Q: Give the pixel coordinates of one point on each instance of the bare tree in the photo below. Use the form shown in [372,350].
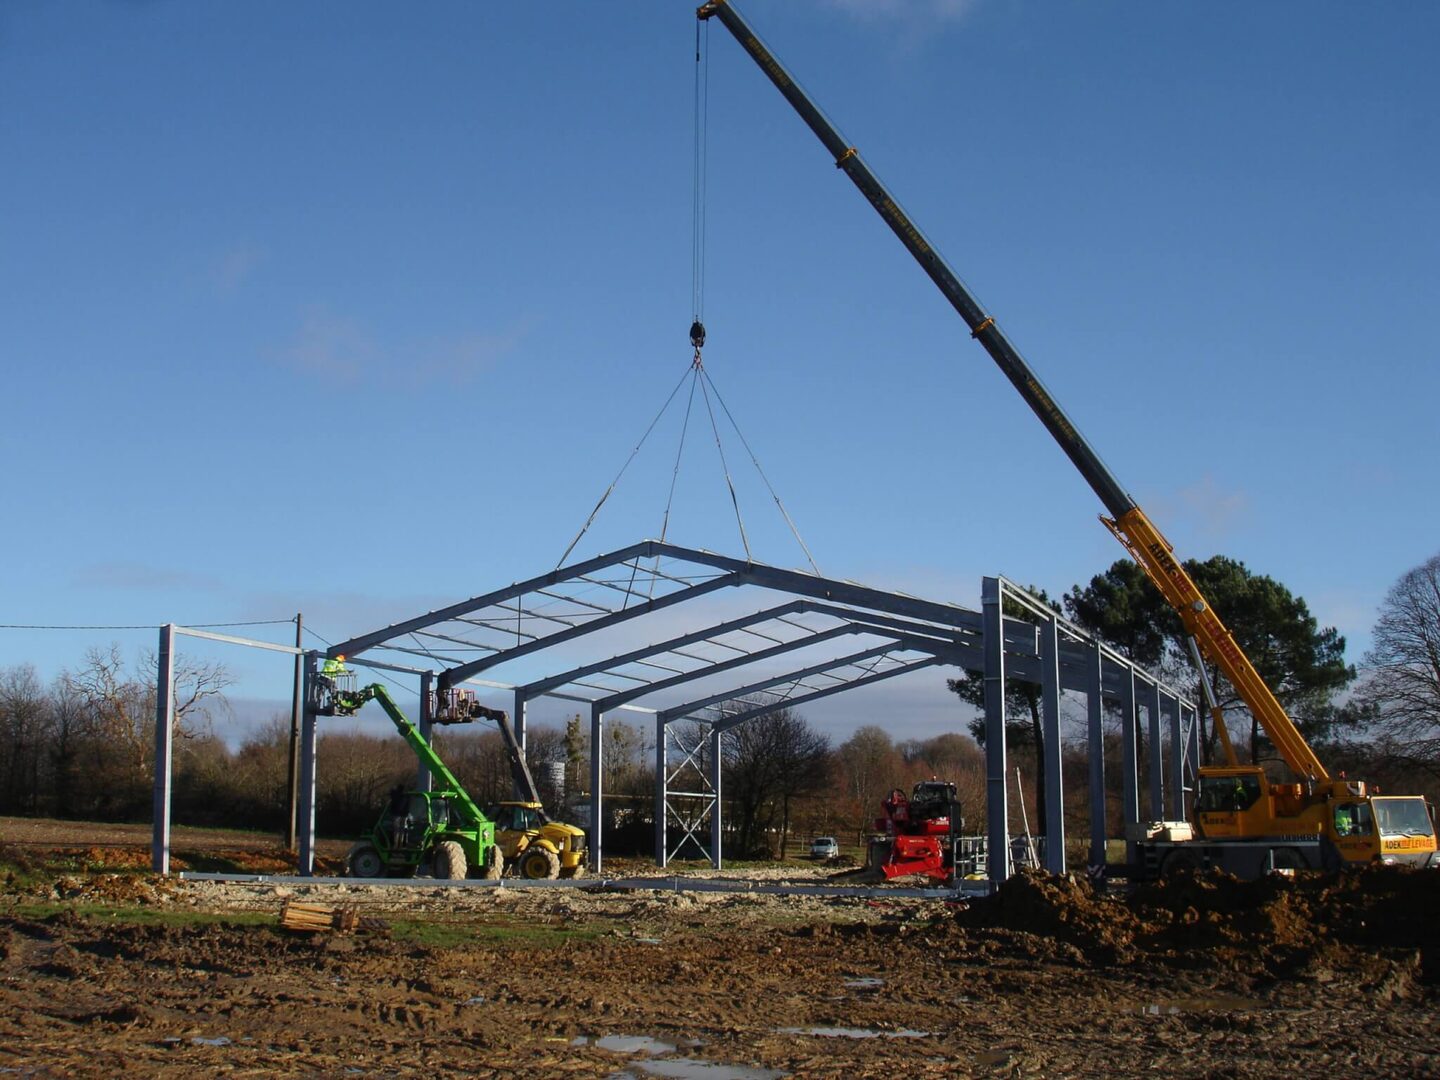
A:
[26,722]
[769,762]
[1405,685]
[868,765]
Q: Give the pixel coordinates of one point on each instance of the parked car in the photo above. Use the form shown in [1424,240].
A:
[824,847]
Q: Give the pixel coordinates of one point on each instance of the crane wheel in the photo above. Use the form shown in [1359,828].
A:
[539,864]
[450,861]
[1178,861]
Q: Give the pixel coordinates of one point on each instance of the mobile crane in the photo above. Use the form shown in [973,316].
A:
[1245,823]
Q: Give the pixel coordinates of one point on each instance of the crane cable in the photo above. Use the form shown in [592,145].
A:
[696,372]
[697,209]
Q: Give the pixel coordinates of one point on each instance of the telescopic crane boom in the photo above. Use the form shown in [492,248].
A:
[1125,519]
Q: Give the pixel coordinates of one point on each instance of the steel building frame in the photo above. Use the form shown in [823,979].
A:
[827,636]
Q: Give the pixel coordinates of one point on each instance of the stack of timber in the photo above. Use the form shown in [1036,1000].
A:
[317,917]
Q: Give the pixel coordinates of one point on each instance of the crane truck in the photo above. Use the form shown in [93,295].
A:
[1242,822]
[443,829]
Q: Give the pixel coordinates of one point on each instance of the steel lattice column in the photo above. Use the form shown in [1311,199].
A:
[662,793]
[717,824]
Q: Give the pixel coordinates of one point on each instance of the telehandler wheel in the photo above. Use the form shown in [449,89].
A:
[363,861]
[539,863]
[450,861]
[496,866]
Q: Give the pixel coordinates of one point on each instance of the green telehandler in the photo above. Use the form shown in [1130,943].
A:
[442,830]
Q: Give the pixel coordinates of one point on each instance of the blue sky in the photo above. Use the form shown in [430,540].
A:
[356,308]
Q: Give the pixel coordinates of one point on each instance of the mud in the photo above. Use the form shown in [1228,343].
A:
[1195,977]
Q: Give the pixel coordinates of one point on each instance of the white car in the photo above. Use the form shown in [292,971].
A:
[824,847]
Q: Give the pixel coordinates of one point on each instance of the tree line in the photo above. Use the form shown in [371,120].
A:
[81,746]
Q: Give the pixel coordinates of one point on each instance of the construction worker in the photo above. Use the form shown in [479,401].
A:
[334,665]
[1344,820]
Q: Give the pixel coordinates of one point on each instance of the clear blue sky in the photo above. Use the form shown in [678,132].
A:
[355,308]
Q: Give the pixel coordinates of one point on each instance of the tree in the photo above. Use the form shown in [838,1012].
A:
[1302,663]
[769,762]
[1404,689]
[868,767]
[26,722]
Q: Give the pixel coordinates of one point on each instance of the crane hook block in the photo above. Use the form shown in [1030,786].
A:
[697,333]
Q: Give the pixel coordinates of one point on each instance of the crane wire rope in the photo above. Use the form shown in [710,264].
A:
[754,460]
[725,467]
[591,519]
[697,221]
[696,373]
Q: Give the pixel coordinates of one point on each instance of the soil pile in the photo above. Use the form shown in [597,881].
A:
[1307,925]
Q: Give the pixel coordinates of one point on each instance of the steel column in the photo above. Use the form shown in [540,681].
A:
[997,803]
[1095,717]
[517,716]
[306,818]
[1177,763]
[597,800]
[425,727]
[1050,726]
[662,794]
[297,698]
[164,741]
[717,748]
[1130,764]
[1157,755]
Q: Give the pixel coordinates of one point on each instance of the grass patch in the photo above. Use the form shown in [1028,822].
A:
[140,916]
[449,935]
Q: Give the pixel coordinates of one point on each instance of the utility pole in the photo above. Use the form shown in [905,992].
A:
[293,788]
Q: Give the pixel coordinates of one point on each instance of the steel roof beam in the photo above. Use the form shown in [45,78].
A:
[750,714]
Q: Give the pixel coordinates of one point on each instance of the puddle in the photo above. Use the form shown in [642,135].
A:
[854,1033]
[477,1000]
[648,940]
[694,1069]
[218,1040]
[864,982]
[625,1044]
[1180,1006]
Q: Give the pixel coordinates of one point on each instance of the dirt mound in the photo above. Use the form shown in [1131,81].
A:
[123,890]
[1284,926]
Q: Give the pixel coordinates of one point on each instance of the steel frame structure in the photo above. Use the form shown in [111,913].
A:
[825,637]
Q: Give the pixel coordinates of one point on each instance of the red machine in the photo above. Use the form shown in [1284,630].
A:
[919,832]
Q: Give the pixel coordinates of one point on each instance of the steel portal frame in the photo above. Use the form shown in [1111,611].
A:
[896,634]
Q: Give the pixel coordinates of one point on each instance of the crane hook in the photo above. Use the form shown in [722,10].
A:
[697,339]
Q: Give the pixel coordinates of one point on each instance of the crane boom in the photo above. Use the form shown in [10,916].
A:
[1127,521]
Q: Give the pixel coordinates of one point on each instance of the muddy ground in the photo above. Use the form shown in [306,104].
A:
[102,972]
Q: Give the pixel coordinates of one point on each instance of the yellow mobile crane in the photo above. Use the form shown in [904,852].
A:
[1245,823]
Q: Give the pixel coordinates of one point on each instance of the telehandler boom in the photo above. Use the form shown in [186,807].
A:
[1308,823]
